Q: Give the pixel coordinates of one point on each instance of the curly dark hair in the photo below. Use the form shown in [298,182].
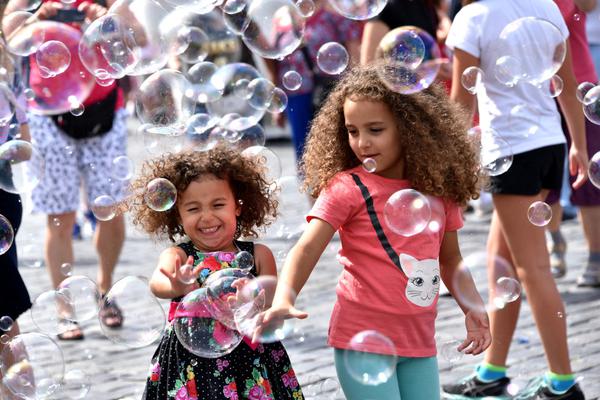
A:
[440,159]
[244,174]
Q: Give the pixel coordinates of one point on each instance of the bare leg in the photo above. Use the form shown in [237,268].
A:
[59,245]
[109,239]
[558,247]
[503,322]
[527,245]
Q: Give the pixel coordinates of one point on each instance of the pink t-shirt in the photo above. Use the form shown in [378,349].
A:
[373,293]
[583,65]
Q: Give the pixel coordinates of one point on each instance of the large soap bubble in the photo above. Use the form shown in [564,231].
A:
[21,166]
[7,234]
[370,358]
[407,212]
[400,52]
[358,9]
[22,36]
[537,47]
[59,94]
[82,294]
[199,330]
[273,28]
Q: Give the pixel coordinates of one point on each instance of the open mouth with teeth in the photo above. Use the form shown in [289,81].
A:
[210,230]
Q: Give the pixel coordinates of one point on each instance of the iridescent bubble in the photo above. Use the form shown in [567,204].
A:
[539,213]
[591,105]
[370,358]
[292,80]
[58,94]
[582,90]
[306,7]
[143,317]
[594,170]
[358,9]
[161,101]
[267,159]
[508,71]
[244,260]
[186,274]
[506,291]
[108,48]
[21,167]
[369,165]
[122,168]
[449,351]
[104,208]
[274,28]
[257,294]
[233,6]
[204,89]
[83,295]
[160,194]
[6,323]
[399,76]
[225,289]
[24,39]
[7,234]
[556,86]
[66,269]
[225,79]
[196,44]
[537,45]
[471,79]
[77,109]
[199,331]
[485,270]
[260,92]
[53,57]
[407,212]
[279,101]
[402,47]
[32,366]
[332,58]
[492,144]
[145,49]
[52,312]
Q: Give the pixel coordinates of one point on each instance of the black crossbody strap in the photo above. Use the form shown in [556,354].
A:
[376,224]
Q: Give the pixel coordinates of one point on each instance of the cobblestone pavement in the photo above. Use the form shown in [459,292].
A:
[119,373]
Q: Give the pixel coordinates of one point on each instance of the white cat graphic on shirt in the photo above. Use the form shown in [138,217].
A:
[423,279]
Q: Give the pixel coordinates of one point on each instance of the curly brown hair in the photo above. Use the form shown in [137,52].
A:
[244,174]
[440,159]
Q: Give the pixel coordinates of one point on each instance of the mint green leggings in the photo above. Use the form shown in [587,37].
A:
[415,379]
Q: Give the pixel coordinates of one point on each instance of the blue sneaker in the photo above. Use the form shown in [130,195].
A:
[472,388]
[537,389]
[77,231]
[89,215]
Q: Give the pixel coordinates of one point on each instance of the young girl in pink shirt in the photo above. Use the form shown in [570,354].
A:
[390,282]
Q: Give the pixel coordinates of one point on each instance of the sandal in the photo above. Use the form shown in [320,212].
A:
[110,313]
[70,330]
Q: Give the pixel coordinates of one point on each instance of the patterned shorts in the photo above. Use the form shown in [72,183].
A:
[69,163]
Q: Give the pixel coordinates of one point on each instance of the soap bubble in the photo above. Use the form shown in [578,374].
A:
[75,386]
[225,289]
[369,165]
[370,358]
[274,28]
[594,170]
[236,22]
[122,168]
[7,234]
[279,101]
[306,7]
[407,212]
[506,291]
[6,323]
[292,80]
[244,260]
[104,208]
[591,105]
[203,88]
[539,213]
[196,41]
[332,58]
[82,294]
[186,274]
[556,86]
[267,159]
[358,9]
[8,104]
[66,269]
[233,6]
[25,39]
[160,194]
[77,109]
[403,47]
[471,79]
[53,58]
[449,352]
[52,312]
[582,90]
[259,93]
[492,147]
[508,71]
[21,167]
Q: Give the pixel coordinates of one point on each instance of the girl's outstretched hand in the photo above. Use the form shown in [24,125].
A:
[178,285]
[274,315]
[478,333]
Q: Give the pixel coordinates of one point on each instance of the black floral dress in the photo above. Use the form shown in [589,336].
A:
[260,373]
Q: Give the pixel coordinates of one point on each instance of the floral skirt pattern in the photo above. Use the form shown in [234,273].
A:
[263,373]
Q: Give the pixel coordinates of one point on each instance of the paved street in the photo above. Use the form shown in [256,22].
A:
[119,373]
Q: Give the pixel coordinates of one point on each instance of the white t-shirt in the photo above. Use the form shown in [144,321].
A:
[475,30]
[592,26]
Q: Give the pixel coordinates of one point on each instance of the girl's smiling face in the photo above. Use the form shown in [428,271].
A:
[208,212]
[373,133]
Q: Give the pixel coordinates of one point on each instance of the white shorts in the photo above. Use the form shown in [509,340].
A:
[70,162]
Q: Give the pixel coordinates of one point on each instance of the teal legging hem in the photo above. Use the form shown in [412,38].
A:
[414,378]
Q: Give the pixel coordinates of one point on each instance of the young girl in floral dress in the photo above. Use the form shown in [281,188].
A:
[221,196]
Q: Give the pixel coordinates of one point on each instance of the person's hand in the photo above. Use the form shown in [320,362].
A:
[48,10]
[478,333]
[578,165]
[179,287]
[276,315]
[92,11]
